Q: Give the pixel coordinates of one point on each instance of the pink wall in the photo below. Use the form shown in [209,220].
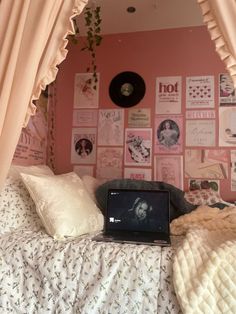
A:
[175,52]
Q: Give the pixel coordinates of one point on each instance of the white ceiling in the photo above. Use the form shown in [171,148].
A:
[149,15]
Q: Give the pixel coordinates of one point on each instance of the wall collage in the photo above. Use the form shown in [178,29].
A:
[122,142]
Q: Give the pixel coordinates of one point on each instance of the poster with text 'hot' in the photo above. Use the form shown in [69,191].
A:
[109,162]
[200,92]
[168,134]
[211,164]
[83,146]
[169,169]
[168,94]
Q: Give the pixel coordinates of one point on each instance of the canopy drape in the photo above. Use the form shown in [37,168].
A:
[220,18]
[32,44]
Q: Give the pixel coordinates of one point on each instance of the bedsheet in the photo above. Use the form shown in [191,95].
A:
[41,275]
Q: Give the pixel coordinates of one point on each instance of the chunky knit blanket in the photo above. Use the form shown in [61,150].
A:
[204,268]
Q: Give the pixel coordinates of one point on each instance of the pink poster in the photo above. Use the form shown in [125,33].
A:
[109,162]
[169,134]
[169,169]
[32,146]
[138,147]
[200,92]
[168,94]
[138,174]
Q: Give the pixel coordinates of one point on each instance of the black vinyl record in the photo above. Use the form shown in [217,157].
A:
[127,89]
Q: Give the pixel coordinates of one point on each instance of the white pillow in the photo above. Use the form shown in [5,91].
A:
[64,205]
[91,185]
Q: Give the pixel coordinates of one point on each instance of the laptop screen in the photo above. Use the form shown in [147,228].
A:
[138,210]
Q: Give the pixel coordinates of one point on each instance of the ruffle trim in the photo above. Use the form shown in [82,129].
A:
[216,35]
[60,56]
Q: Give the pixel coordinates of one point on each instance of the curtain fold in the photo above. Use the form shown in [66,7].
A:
[220,18]
[33,42]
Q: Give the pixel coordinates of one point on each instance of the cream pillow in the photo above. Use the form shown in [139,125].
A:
[91,184]
[64,205]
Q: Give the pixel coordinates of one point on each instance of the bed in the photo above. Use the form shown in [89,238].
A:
[46,268]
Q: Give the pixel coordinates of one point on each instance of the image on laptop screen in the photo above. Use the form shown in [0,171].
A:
[138,210]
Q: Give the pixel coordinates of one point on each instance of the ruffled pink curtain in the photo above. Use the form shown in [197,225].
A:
[32,42]
[220,17]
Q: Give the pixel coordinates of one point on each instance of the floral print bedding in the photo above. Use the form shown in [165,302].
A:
[41,275]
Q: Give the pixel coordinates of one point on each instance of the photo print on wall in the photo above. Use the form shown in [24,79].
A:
[227,91]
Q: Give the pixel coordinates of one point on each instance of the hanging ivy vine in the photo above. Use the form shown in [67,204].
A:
[92,19]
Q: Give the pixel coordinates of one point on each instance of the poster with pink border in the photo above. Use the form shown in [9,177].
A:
[169,169]
[168,94]
[169,134]
[138,174]
[138,147]
[109,162]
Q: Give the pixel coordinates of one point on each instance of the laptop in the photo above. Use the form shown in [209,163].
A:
[137,216]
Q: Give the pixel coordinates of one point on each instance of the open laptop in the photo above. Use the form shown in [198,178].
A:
[137,216]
